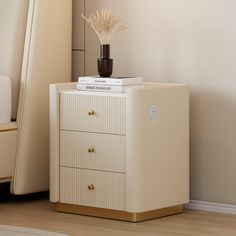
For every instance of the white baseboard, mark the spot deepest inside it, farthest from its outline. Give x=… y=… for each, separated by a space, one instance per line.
x=211 y=207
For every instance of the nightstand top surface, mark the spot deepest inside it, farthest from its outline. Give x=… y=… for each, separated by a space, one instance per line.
x=146 y=85
x=81 y=92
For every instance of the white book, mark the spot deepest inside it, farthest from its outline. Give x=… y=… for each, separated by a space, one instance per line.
x=120 y=81
x=105 y=88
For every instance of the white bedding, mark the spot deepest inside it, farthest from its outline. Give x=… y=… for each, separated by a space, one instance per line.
x=5 y=99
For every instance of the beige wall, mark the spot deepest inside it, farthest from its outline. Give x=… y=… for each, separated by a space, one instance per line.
x=192 y=42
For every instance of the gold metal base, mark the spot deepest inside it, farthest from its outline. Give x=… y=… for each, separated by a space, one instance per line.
x=118 y=215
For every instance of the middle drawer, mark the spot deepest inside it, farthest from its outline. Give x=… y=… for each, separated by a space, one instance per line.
x=92 y=151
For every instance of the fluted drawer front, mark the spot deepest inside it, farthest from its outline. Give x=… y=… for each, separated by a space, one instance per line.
x=92 y=188
x=94 y=113
x=92 y=151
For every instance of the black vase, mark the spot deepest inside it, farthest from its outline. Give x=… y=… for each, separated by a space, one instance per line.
x=105 y=63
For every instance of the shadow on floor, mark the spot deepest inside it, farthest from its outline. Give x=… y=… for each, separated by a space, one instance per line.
x=6 y=196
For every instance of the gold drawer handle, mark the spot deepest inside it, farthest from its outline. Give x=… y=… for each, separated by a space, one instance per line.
x=91 y=187
x=91 y=113
x=91 y=150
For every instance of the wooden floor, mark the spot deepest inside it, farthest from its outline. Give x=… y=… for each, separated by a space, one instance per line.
x=37 y=212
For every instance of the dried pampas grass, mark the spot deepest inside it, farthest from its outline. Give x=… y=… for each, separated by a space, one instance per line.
x=105 y=24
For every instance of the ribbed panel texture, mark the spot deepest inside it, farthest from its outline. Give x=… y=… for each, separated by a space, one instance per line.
x=109 y=113
x=109 y=191
x=109 y=151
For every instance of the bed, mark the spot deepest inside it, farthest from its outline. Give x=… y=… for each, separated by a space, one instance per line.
x=35 y=50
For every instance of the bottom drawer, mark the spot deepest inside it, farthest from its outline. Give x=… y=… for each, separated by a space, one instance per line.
x=92 y=188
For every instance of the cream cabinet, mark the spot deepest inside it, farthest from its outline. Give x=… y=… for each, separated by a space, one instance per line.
x=120 y=155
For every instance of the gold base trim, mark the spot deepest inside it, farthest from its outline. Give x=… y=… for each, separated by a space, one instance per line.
x=118 y=215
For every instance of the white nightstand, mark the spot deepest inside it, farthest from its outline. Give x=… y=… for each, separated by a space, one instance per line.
x=120 y=155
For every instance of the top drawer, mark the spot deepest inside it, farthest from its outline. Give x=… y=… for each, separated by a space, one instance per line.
x=92 y=113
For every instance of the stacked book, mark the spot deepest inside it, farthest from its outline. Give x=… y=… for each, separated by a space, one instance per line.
x=113 y=84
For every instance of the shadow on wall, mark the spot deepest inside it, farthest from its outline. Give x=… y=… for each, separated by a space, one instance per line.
x=213 y=145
